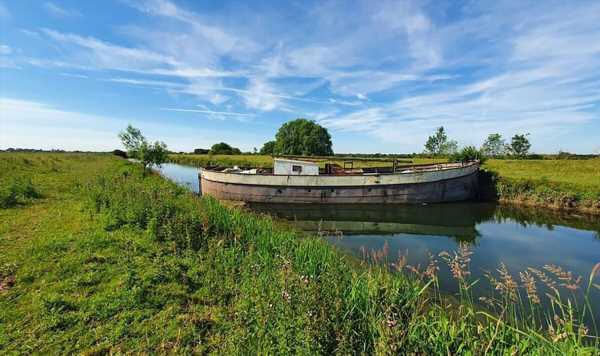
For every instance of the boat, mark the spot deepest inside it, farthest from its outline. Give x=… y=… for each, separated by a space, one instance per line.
x=304 y=182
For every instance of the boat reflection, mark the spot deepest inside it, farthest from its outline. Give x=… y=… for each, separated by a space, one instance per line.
x=455 y=220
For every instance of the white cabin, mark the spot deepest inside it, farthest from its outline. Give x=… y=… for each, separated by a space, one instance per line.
x=294 y=167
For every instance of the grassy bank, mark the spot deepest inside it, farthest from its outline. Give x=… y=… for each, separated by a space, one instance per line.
x=104 y=260
x=557 y=184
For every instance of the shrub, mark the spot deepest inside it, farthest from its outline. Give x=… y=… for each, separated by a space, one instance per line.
x=120 y=153
x=162 y=210
x=18 y=190
x=467 y=154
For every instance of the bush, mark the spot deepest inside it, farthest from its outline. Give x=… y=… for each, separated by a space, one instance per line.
x=18 y=190
x=467 y=154
x=120 y=153
x=164 y=211
x=222 y=148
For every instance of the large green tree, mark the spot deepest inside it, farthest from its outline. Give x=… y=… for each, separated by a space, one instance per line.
x=303 y=137
x=139 y=148
x=439 y=144
x=223 y=148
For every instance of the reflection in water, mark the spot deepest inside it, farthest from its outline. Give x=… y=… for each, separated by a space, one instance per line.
x=456 y=220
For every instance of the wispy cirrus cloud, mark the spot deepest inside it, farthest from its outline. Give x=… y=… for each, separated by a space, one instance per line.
x=60 y=12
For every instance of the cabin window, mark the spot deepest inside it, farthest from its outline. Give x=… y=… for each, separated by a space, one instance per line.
x=296 y=169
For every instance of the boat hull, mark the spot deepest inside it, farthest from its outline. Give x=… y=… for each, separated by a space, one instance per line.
x=413 y=188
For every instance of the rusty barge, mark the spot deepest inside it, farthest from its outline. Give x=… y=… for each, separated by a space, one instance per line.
x=303 y=182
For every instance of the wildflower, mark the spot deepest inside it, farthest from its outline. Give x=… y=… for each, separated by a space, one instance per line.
x=566 y=277
x=458 y=262
x=530 y=288
x=401 y=262
x=286 y=296
x=544 y=278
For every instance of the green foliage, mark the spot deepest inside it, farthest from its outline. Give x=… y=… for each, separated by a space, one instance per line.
x=138 y=147
x=119 y=153
x=17 y=190
x=222 y=148
x=467 y=154
x=127 y=200
x=494 y=146
x=268 y=148
x=439 y=144
x=520 y=145
x=303 y=137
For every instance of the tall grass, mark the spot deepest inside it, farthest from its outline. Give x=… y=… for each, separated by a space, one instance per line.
x=285 y=292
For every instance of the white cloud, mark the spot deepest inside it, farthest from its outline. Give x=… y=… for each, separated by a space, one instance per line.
x=31 y=124
x=213 y=114
x=75 y=75
x=5 y=60
x=5 y=50
x=259 y=96
x=60 y=12
x=108 y=56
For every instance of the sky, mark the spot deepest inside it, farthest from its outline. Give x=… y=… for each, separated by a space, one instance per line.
x=380 y=75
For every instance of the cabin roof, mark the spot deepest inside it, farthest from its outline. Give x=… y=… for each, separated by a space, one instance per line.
x=295 y=161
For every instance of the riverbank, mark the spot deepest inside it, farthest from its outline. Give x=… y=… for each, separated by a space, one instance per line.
x=566 y=185
x=105 y=260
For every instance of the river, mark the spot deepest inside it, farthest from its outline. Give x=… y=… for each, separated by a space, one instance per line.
x=518 y=237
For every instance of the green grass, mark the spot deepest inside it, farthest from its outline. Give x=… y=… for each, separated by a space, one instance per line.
x=579 y=174
x=560 y=184
x=107 y=261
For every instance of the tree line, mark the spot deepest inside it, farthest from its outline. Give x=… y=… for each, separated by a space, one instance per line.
x=495 y=146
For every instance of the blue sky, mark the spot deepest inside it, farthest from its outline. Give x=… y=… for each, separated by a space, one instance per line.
x=380 y=75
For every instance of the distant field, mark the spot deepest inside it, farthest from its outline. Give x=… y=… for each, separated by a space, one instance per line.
x=578 y=174
x=261 y=161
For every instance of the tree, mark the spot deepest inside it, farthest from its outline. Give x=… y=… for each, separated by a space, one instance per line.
x=200 y=151
x=494 y=145
x=303 y=137
x=438 y=144
x=223 y=148
x=268 y=148
x=520 y=145
x=138 y=147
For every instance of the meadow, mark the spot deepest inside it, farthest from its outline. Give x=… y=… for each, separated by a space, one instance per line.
x=560 y=184
x=105 y=260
